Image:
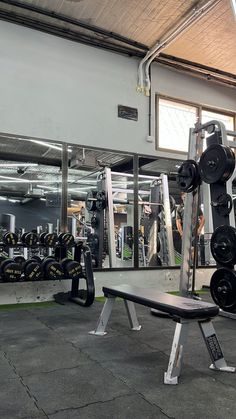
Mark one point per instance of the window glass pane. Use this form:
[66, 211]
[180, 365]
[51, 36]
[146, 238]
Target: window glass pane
[175, 119]
[226, 119]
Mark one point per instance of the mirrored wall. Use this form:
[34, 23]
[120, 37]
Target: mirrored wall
[124, 206]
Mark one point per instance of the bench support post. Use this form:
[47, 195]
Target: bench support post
[104, 317]
[213, 347]
[176, 355]
[132, 316]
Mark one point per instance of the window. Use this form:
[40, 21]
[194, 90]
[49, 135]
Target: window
[228, 120]
[175, 118]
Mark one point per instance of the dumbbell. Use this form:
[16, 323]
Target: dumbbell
[72, 269]
[32, 270]
[37, 258]
[66, 239]
[48, 239]
[29, 239]
[19, 259]
[52, 269]
[10, 270]
[9, 238]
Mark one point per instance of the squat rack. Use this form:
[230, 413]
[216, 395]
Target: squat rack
[196, 137]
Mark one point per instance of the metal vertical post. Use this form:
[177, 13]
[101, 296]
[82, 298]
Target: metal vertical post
[110, 218]
[168, 222]
[190, 214]
[64, 188]
[136, 212]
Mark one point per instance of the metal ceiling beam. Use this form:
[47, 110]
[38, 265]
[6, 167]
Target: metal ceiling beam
[69, 34]
[76, 22]
[171, 61]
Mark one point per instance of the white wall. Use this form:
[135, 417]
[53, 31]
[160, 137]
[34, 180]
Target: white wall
[61, 90]
[56, 89]
[178, 85]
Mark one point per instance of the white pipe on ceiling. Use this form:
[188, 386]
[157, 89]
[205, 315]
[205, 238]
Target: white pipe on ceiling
[192, 17]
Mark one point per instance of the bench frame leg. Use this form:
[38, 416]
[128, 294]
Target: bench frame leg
[213, 347]
[176, 355]
[104, 317]
[132, 316]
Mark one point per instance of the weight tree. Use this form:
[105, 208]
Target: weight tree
[215, 167]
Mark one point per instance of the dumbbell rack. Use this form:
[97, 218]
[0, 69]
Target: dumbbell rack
[81, 297]
[218, 135]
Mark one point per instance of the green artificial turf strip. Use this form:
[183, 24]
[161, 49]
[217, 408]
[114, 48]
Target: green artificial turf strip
[27, 305]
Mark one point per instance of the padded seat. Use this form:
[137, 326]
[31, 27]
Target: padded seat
[182, 307]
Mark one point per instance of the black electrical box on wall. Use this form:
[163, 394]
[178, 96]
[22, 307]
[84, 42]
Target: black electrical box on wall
[126, 112]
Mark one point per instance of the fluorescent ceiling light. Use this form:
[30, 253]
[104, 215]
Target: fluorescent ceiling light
[17, 180]
[45, 186]
[50, 145]
[18, 164]
[233, 5]
[3, 198]
[14, 179]
[13, 200]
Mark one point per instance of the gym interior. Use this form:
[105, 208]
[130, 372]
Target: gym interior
[117, 209]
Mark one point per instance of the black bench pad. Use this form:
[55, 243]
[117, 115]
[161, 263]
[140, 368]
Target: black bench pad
[183, 307]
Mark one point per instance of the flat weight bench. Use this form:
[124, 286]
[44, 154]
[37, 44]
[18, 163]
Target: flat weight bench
[182, 310]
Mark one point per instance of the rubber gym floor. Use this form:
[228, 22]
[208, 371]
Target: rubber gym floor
[50, 367]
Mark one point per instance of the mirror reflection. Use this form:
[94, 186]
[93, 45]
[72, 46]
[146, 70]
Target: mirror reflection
[100, 185]
[100, 207]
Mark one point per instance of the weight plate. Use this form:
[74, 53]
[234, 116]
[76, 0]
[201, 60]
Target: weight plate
[37, 258]
[19, 259]
[67, 239]
[188, 177]
[223, 289]
[23, 237]
[11, 271]
[90, 202]
[32, 270]
[223, 245]
[223, 204]
[30, 239]
[42, 237]
[53, 270]
[101, 202]
[50, 239]
[72, 269]
[10, 239]
[216, 164]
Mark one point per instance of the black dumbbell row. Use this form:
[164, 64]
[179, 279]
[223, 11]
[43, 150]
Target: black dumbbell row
[32, 240]
[19, 269]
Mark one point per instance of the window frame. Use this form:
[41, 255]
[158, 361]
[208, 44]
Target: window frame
[199, 108]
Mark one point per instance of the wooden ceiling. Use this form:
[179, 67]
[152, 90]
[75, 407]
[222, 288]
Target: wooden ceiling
[209, 42]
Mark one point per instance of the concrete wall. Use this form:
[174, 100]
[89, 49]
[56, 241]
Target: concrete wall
[61, 90]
